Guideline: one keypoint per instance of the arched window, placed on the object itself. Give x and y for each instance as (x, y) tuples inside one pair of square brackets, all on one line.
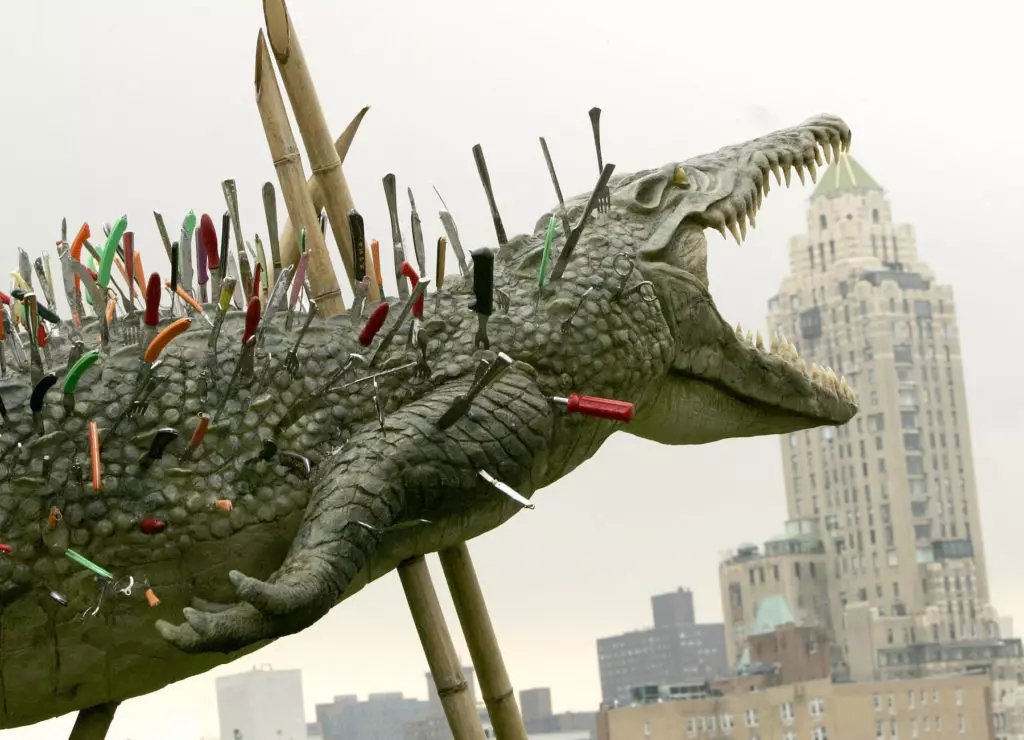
[(874, 215), (823, 221)]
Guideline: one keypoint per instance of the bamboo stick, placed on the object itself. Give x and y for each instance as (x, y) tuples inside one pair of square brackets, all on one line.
[(323, 158), (288, 163), (93, 722), (482, 643), (289, 236), (452, 688)]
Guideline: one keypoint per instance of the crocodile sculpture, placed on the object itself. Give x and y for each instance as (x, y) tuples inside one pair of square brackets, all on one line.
[(332, 482)]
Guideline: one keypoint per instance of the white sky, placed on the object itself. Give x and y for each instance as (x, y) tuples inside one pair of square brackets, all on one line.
[(126, 107)]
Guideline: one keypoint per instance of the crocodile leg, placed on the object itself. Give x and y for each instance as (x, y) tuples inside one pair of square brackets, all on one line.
[(93, 722), (383, 476)]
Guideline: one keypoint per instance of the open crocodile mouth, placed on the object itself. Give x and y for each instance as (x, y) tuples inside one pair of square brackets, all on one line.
[(761, 381)]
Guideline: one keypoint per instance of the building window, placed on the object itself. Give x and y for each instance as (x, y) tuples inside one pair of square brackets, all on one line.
[(750, 717), (879, 729), (823, 221), (959, 692), (786, 712), (691, 727), (913, 726), (874, 215), (962, 724), (726, 721), (910, 697), (789, 735), (819, 733), (817, 707), (894, 729)]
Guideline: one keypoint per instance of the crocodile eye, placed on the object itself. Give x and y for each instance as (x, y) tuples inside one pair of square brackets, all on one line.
[(680, 178)]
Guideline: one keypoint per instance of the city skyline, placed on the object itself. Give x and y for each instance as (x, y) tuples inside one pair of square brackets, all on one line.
[(585, 561)]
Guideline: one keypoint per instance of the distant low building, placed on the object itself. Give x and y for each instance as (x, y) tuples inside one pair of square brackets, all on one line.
[(675, 650), (262, 704)]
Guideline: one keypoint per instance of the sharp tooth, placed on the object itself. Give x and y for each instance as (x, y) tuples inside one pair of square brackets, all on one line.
[(777, 171), (800, 172), (759, 192), (753, 221), (734, 231), (845, 387), (817, 156), (830, 152), (775, 346), (812, 170), (760, 341), (815, 373), (743, 227), (750, 337), (786, 169), (739, 331), (802, 364)]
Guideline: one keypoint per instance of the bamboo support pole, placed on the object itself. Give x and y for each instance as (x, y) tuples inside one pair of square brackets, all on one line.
[(452, 688), (323, 158), (94, 722), (289, 236), (482, 643), (288, 163)]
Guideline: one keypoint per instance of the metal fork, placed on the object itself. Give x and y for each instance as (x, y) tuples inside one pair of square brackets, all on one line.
[(604, 197), (291, 360)]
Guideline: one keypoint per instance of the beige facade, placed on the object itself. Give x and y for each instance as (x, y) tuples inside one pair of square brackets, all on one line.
[(794, 566), (935, 707), (894, 490)]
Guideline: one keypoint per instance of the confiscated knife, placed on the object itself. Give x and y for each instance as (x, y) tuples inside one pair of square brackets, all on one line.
[(162, 228), (485, 179), (297, 284), (417, 292), (186, 275), (275, 301), (270, 207), (391, 193), (44, 283), (362, 284), (461, 405), (72, 296), (483, 292), (417, 236), (99, 302), (25, 267), (453, 236)]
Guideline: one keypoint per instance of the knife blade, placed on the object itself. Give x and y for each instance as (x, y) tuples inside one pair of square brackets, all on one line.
[(453, 236), (202, 266), (99, 303), (362, 284), (417, 236), (284, 278), (44, 283), (462, 404), (417, 292), (68, 278), (188, 226), (297, 284), (270, 207), (485, 179), (25, 267), (163, 232), (391, 193)]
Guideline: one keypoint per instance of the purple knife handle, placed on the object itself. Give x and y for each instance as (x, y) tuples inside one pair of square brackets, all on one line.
[(300, 276)]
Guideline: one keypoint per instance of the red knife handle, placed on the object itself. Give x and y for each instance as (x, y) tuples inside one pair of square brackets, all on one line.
[(374, 323), (129, 262), (209, 234), (410, 272), (153, 290), (4, 298), (602, 408), (252, 318)]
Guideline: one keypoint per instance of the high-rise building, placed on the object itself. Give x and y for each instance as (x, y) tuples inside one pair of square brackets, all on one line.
[(535, 704), (674, 651), (894, 490), (262, 704)]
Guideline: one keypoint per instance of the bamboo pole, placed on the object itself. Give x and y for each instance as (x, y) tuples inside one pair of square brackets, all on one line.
[(452, 688), (289, 236), (288, 163), (94, 722), (323, 158), (482, 643)]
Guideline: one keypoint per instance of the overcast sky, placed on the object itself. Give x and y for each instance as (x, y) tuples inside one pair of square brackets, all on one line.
[(125, 107)]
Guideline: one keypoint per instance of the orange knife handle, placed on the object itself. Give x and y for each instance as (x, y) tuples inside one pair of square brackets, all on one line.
[(166, 335)]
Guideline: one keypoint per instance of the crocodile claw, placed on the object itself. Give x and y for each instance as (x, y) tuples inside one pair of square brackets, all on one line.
[(221, 631)]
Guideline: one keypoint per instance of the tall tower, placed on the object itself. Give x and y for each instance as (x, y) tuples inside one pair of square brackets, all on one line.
[(894, 490)]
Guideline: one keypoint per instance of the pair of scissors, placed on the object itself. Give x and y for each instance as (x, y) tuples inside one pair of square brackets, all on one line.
[(624, 264)]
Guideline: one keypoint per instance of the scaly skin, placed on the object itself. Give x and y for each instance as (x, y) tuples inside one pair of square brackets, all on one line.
[(692, 379)]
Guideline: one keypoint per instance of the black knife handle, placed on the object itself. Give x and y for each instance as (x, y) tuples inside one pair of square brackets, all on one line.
[(355, 225), (175, 258), (225, 229), (483, 281)]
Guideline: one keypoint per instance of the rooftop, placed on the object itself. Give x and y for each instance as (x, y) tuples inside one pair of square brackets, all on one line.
[(844, 175)]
